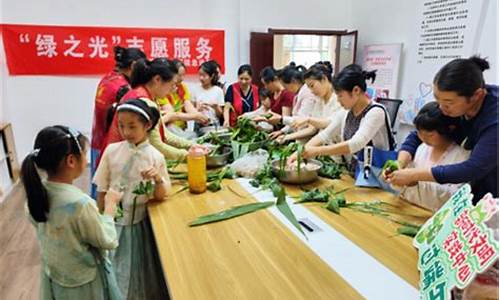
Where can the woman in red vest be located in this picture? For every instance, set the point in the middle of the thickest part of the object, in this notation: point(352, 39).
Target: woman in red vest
point(150, 81)
point(242, 96)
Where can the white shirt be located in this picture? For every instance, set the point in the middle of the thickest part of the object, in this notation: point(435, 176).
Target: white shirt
point(317, 108)
point(212, 95)
point(433, 195)
point(304, 102)
point(121, 166)
point(371, 128)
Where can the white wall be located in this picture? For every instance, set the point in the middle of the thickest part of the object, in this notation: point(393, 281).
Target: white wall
point(32, 102)
point(393, 21)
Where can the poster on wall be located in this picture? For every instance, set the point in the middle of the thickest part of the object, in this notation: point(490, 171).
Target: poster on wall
point(76, 50)
point(385, 59)
point(445, 30)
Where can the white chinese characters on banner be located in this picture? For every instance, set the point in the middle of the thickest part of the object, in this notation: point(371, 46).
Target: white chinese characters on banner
point(46, 45)
point(203, 49)
point(71, 51)
point(98, 44)
point(135, 42)
point(159, 47)
point(182, 48)
point(98, 47)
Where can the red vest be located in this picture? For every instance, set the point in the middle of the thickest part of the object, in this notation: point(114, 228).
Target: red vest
point(238, 101)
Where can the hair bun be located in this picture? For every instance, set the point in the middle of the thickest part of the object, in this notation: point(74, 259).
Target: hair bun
point(119, 53)
point(369, 75)
point(482, 63)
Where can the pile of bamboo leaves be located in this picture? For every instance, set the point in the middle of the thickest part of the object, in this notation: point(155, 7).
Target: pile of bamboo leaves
point(335, 201)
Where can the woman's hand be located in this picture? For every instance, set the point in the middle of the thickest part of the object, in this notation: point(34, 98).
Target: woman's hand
point(275, 134)
point(299, 122)
point(201, 118)
point(273, 119)
point(405, 177)
point(282, 139)
point(311, 152)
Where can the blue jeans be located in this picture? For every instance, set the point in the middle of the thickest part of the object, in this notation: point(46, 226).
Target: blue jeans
point(94, 154)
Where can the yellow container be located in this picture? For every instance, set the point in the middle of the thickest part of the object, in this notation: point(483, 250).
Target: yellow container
point(197, 170)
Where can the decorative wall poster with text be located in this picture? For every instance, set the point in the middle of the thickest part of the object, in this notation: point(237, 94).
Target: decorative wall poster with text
point(445, 30)
point(385, 59)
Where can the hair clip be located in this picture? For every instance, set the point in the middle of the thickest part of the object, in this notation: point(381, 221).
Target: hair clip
point(35, 152)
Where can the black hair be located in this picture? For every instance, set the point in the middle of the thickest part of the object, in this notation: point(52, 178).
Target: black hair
point(52, 145)
point(292, 73)
point(178, 64)
point(351, 76)
point(153, 113)
point(431, 118)
point(319, 71)
point(211, 67)
point(264, 93)
point(268, 74)
point(463, 76)
point(245, 69)
point(124, 57)
point(144, 70)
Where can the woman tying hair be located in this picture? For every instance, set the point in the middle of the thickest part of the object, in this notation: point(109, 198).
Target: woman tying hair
point(461, 92)
point(152, 80)
point(366, 123)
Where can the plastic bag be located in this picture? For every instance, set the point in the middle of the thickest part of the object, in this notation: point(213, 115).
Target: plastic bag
point(249, 164)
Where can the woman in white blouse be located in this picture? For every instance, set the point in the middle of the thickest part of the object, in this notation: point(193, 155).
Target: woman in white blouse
point(292, 78)
point(318, 79)
point(209, 100)
point(366, 123)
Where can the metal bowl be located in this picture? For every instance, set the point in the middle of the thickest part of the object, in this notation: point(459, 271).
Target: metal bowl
point(294, 177)
point(220, 160)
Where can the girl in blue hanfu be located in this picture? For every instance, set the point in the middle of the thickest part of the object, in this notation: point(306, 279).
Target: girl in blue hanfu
point(136, 168)
point(72, 234)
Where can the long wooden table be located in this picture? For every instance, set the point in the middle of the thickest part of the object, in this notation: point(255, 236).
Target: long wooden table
point(256, 257)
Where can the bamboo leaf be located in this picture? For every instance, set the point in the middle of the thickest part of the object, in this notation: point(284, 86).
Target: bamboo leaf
point(231, 213)
point(283, 207)
point(408, 230)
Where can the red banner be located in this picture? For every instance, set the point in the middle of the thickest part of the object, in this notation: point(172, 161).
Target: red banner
point(71, 50)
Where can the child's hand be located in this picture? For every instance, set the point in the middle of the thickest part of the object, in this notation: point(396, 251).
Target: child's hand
point(151, 173)
point(113, 197)
point(403, 177)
